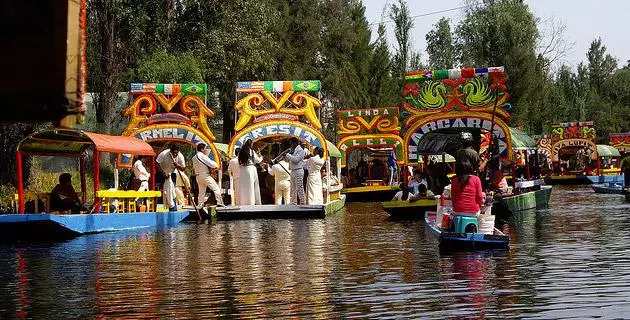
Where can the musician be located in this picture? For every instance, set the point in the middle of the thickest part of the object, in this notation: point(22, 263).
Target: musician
point(202, 165)
point(296, 164)
point(314, 165)
point(169, 161)
point(233, 170)
point(249, 187)
point(282, 177)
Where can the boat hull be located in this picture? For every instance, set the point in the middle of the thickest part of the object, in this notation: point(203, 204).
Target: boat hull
point(454, 241)
point(567, 180)
point(44, 226)
point(403, 210)
point(268, 211)
point(607, 189)
point(537, 199)
point(606, 179)
point(370, 193)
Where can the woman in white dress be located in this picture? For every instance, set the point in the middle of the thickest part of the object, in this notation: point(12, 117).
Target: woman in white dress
point(249, 189)
point(314, 164)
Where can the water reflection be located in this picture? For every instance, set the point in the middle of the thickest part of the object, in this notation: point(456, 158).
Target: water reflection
point(569, 260)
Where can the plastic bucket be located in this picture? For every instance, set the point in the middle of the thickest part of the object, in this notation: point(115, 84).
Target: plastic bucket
point(486, 223)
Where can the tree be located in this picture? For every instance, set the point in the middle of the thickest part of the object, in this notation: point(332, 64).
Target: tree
point(403, 24)
point(600, 64)
point(381, 86)
point(164, 67)
point(440, 46)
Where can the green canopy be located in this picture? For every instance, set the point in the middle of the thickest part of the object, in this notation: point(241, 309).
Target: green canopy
point(607, 151)
point(521, 141)
point(332, 150)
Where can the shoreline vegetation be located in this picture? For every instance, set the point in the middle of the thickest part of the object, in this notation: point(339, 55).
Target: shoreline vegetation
point(221, 42)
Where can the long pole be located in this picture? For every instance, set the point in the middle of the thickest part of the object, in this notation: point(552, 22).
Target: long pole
point(20, 183)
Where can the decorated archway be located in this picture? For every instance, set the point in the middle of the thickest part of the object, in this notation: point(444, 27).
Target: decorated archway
point(621, 141)
point(469, 98)
point(171, 112)
point(370, 128)
point(579, 135)
point(274, 128)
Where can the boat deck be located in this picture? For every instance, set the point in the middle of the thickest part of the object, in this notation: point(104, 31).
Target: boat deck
point(271, 211)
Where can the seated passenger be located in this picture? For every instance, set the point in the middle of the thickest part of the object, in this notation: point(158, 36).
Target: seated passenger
point(403, 194)
point(63, 197)
point(423, 193)
point(333, 179)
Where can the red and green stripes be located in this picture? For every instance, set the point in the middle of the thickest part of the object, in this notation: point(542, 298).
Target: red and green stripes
point(443, 74)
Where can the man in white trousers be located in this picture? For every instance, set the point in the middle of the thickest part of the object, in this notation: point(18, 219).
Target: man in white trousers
point(296, 166)
point(169, 161)
point(202, 165)
point(234, 174)
point(282, 177)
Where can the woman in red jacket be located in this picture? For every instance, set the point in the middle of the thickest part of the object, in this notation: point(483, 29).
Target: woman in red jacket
point(466, 191)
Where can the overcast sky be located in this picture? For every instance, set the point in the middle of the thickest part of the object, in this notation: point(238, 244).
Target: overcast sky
point(585, 20)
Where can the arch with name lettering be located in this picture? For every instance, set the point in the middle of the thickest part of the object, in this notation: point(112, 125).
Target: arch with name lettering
point(577, 142)
point(457, 119)
point(372, 140)
point(268, 129)
point(177, 133)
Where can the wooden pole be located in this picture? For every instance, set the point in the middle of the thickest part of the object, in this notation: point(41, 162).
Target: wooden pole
point(152, 177)
point(97, 182)
point(20, 182)
point(82, 173)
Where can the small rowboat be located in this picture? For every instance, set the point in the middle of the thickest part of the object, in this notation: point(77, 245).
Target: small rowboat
point(610, 188)
point(408, 210)
point(453, 241)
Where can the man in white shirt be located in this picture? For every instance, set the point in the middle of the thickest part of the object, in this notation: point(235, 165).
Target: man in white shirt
point(202, 165)
point(234, 174)
point(280, 172)
point(169, 161)
point(141, 174)
point(296, 165)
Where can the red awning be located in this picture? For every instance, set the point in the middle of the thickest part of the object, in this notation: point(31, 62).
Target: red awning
point(74, 142)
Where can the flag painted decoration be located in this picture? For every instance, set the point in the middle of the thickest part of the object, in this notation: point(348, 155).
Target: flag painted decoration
point(279, 86)
point(169, 88)
point(454, 74)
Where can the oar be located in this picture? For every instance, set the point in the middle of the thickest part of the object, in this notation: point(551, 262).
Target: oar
point(190, 197)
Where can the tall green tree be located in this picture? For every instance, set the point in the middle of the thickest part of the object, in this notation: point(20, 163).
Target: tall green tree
point(440, 46)
point(403, 25)
point(381, 86)
point(600, 64)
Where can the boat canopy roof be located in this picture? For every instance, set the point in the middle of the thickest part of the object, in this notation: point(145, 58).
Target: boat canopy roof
point(521, 141)
point(333, 151)
point(607, 151)
point(74, 142)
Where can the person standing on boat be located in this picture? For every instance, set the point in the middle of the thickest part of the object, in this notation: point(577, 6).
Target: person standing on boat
point(249, 187)
point(203, 165)
point(233, 171)
point(393, 168)
point(282, 179)
point(140, 180)
point(467, 151)
point(169, 161)
point(296, 165)
point(625, 168)
point(314, 165)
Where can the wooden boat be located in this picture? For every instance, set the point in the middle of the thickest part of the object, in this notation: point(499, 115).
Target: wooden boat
point(570, 179)
point(270, 211)
point(529, 195)
point(409, 210)
point(51, 225)
point(454, 241)
point(370, 193)
point(610, 188)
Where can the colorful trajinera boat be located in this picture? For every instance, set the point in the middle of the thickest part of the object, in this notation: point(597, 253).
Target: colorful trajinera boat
point(165, 113)
point(375, 132)
point(609, 165)
point(571, 149)
point(453, 240)
point(270, 112)
point(46, 224)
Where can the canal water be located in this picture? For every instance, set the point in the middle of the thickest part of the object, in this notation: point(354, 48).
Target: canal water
point(571, 261)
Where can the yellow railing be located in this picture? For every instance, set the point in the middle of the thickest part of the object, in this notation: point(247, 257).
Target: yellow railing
point(128, 198)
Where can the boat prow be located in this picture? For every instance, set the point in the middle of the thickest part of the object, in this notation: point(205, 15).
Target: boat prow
point(455, 241)
point(46, 226)
point(409, 210)
point(609, 188)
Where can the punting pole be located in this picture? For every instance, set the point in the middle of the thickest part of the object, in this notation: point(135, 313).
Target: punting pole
point(82, 160)
point(20, 182)
point(97, 182)
point(152, 177)
point(328, 174)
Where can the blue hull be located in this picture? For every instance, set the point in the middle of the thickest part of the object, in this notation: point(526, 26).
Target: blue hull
point(609, 188)
point(605, 179)
point(453, 241)
point(53, 226)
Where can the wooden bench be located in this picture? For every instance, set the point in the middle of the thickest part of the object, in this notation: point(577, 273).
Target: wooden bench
point(128, 198)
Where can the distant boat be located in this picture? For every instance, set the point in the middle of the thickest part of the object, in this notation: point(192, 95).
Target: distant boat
point(610, 188)
point(523, 200)
point(408, 210)
point(453, 241)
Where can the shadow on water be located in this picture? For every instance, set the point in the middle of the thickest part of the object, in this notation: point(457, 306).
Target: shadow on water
point(570, 260)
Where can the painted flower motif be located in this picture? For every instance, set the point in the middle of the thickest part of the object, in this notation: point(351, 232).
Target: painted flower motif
point(411, 88)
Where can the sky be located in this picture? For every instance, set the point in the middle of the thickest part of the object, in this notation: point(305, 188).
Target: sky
point(585, 20)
